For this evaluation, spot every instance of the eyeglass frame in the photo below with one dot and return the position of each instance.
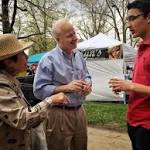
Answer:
(132, 18)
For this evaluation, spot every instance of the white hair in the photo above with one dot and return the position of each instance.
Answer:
(58, 26)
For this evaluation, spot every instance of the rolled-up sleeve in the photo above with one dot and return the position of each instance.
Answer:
(17, 115)
(43, 82)
(87, 75)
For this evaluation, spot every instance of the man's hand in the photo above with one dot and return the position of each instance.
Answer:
(119, 85)
(76, 86)
(86, 89)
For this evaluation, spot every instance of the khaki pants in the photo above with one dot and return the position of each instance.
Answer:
(66, 129)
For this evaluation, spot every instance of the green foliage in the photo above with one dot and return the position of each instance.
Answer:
(34, 22)
(107, 115)
(41, 44)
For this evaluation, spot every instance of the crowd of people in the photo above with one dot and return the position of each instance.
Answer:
(62, 82)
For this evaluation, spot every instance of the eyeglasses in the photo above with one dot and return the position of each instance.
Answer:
(132, 18)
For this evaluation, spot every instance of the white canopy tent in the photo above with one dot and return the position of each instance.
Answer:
(102, 41)
(99, 41)
(103, 70)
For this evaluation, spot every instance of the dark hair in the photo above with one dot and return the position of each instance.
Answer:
(2, 65)
(142, 5)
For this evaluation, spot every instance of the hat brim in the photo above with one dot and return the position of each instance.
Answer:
(25, 45)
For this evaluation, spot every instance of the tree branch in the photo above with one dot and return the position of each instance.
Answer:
(21, 8)
(24, 37)
(41, 9)
(35, 5)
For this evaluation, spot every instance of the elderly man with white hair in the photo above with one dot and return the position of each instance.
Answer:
(63, 69)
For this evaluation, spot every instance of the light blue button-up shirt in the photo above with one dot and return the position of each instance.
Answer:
(57, 68)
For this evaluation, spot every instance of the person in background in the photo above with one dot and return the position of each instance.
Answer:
(17, 117)
(63, 69)
(115, 52)
(34, 67)
(138, 117)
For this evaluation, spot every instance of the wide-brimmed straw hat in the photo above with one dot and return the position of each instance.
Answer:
(10, 46)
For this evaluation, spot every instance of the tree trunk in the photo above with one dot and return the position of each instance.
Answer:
(6, 23)
(5, 16)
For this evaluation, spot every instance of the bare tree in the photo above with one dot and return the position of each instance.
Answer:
(31, 19)
(104, 16)
(39, 18)
(120, 24)
(118, 13)
(93, 18)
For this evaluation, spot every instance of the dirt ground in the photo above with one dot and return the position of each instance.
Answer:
(101, 139)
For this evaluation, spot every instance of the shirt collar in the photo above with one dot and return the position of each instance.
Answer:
(65, 54)
(144, 44)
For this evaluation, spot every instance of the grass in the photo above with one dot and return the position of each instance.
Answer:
(106, 115)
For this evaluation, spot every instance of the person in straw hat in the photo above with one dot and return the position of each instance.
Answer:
(16, 115)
